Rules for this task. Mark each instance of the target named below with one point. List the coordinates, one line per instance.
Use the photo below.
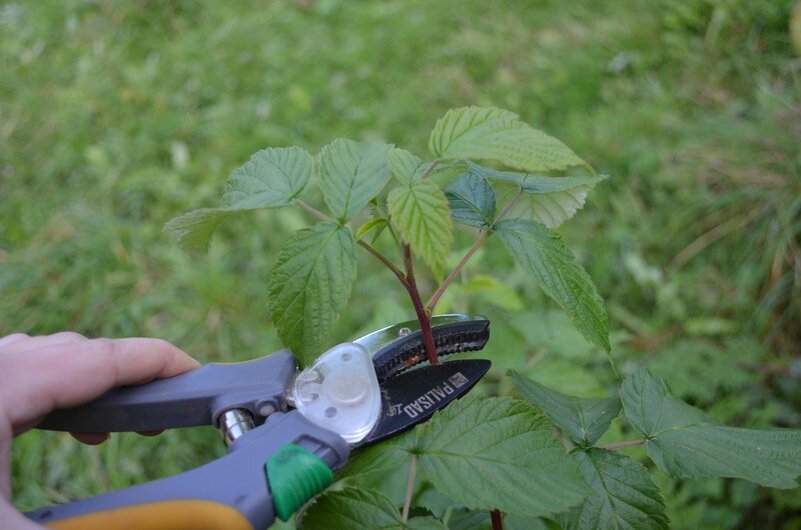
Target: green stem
(383, 259)
(508, 207)
(314, 211)
(620, 445)
(429, 169)
(481, 239)
(407, 502)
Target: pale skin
(40, 374)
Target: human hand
(40, 374)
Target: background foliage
(115, 116)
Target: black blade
(414, 396)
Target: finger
(70, 374)
(96, 438)
(10, 518)
(150, 433)
(34, 343)
(14, 337)
(90, 438)
(13, 520)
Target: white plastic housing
(340, 392)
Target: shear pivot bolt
(346, 387)
(266, 410)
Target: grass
(115, 116)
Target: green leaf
(359, 508)
(272, 178)
(194, 229)
(373, 225)
(585, 420)
(548, 200)
(622, 495)
(493, 291)
(685, 442)
(493, 134)
(382, 467)
(352, 173)
(471, 200)
(404, 165)
(381, 458)
(517, 522)
(310, 284)
(497, 453)
(542, 253)
(424, 523)
(419, 212)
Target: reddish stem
(497, 519)
(435, 298)
(422, 316)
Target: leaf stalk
(407, 502)
(314, 211)
(479, 242)
(383, 259)
(436, 296)
(619, 445)
(429, 169)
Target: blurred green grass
(115, 116)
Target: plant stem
(619, 445)
(435, 298)
(423, 317)
(480, 241)
(407, 503)
(429, 169)
(383, 259)
(508, 207)
(497, 519)
(314, 211)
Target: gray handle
(190, 399)
(232, 492)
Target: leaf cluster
(314, 272)
(485, 453)
(481, 453)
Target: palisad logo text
(435, 395)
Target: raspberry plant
(480, 458)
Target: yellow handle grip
(162, 515)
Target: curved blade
(413, 397)
(400, 347)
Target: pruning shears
(286, 431)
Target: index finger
(69, 374)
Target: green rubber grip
(295, 475)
